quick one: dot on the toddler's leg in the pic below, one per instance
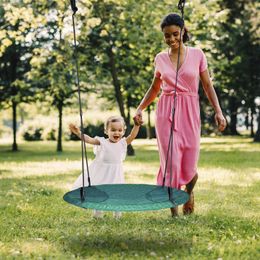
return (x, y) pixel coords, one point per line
(97, 213)
(174, 212)
(117, 214)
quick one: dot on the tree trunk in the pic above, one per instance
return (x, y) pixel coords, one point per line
(149, 128)
(252, 134)
(116, 83)
(22, 114)
(14, 146)
(257, 134)
(119, 97)
(59, 143)
(247, 119)
(233, 115)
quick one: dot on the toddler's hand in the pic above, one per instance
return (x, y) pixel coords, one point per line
(138, 120)
(74, 129)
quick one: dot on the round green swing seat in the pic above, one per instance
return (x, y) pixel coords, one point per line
(127, 197)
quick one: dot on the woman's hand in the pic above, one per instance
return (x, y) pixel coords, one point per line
(138, 118)
(220, 121)
(74, 129)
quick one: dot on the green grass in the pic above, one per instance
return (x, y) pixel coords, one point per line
(36, 223)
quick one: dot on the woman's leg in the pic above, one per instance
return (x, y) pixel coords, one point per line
(189, 189)
(191, 184)
(188, 207)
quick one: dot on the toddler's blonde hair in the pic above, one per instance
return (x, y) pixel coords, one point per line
(113, 119)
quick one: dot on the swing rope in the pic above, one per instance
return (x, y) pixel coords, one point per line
(170, 142)
(83, 144)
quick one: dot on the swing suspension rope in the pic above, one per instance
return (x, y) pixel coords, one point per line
(170, 142)
(144, 196)
(83, 144)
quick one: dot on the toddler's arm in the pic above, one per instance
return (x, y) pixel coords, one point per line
(134, 132)
(75, 130)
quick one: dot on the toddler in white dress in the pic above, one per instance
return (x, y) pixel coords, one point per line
(107, 167)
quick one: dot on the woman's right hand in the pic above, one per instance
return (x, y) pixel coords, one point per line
(138, 118)
(74, 129)
(221, 121)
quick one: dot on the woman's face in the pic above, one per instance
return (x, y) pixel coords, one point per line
(172, 36)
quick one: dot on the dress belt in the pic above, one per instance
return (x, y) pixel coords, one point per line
(191, 94)
(177, 110)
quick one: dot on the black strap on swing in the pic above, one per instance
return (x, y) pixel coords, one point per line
(83, 144)
(181, 5)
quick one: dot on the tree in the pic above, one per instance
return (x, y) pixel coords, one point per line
(19, 25)
(120, 39)
(236, 57)
(52, 66)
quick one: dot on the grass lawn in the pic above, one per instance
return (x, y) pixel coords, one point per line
(36, 223)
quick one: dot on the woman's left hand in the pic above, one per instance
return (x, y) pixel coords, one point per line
(220, 121)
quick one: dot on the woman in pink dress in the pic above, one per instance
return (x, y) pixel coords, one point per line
(182, 169)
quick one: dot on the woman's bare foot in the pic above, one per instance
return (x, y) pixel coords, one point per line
(188, 207)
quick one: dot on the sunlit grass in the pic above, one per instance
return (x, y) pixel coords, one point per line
(36, 223)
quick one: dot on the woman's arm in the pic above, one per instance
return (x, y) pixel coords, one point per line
(149, 97)
(74, 129)
(213, 99)
(151, 94)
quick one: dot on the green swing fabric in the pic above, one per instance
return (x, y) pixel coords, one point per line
(127, 197)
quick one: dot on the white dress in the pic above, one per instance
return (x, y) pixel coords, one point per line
(107, 167)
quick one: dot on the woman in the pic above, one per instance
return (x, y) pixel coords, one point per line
(186, 135)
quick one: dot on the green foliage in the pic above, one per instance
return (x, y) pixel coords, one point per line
(35, 130)
(20, 23)
(117, 43)
(235, 57)
(33, 134)
(50, 134)
(129, 41)
(18, 26)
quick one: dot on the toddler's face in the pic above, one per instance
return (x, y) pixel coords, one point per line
(115, 131)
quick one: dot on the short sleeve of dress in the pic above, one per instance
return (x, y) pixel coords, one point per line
(97, 148)
(157, 73)
(124, 148)
(203, 62)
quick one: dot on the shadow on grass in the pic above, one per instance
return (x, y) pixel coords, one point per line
(151, 236)
(131, 244)
(132, 235)
(4, 171)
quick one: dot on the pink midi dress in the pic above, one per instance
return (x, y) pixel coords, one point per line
(186, 135)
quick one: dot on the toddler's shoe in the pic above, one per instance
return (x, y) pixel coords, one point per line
(97, 213)
(117, 214)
